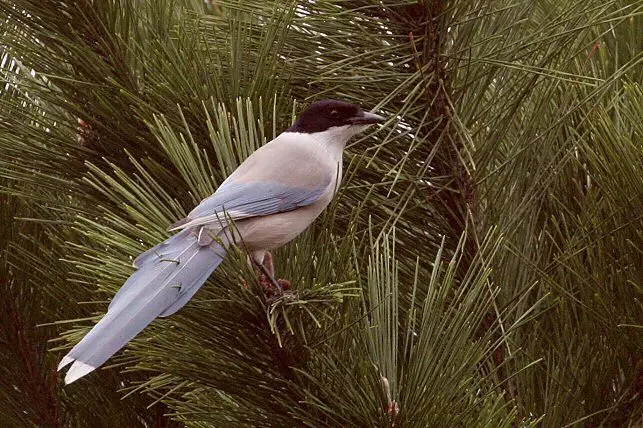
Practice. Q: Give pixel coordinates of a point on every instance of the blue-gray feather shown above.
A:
(242, 200)
(166, 280)
(156, 250)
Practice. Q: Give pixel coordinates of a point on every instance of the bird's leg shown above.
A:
(267, 269)
(271, 278)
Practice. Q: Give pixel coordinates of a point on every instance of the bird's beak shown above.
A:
(366, 118)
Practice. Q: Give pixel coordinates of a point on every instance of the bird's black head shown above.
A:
(321, 115)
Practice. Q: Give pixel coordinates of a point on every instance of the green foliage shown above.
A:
(481, 265)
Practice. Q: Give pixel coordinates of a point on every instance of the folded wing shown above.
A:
(237, 201)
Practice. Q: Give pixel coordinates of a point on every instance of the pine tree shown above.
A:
(481, 265)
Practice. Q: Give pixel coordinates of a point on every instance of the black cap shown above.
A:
(321, 115)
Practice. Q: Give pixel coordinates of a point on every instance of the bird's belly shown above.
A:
(268, 232)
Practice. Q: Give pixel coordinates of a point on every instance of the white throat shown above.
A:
(332, 140)
(336, 135)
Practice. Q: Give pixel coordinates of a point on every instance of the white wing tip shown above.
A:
(66, 360)
(78, 370)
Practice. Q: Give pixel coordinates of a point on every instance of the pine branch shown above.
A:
(504, 183)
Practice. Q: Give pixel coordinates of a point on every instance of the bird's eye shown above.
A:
(334, 114)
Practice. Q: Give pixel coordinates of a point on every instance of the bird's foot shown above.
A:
(274, 288)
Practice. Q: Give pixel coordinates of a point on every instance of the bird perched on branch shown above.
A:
(273, 196)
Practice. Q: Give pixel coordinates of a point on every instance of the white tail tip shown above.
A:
(78, 370)
(66, 360)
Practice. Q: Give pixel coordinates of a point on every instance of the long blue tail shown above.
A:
(168, 276)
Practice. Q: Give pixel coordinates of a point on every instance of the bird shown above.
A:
(272, 197)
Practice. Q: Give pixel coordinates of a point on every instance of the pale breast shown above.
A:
(273, 231)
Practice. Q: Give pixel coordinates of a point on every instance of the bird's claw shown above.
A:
(274, 288)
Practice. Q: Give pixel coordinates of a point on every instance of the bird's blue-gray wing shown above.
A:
(237, 200)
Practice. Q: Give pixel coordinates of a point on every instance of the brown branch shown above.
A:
(455, 199)
(37, 382)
